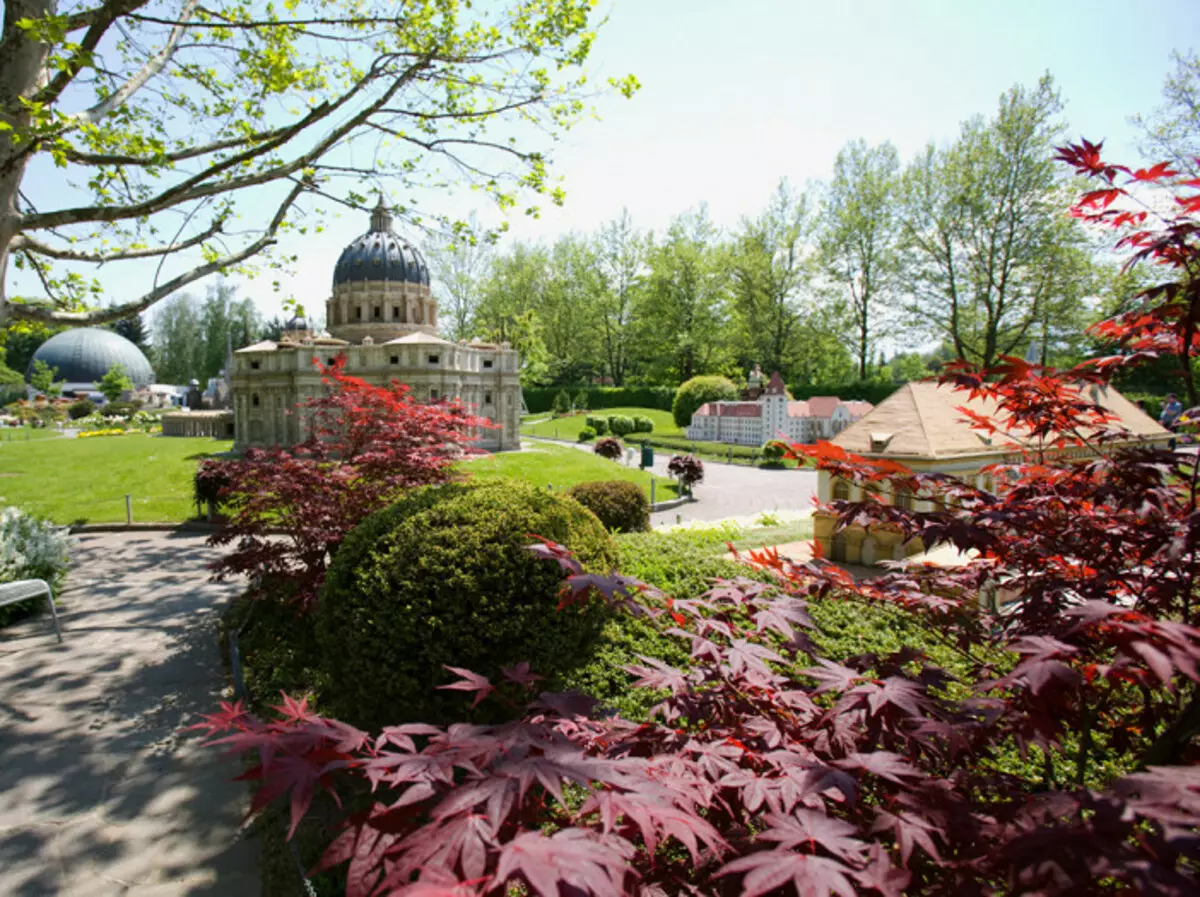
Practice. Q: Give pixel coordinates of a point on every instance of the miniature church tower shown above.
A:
(775, 409)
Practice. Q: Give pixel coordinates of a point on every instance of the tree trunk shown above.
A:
(21, 62)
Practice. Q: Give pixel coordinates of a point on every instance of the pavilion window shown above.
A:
(487, 398)
(395, 312)
(255, 365)
(903, 499)
(487, 363)
(378, 313)
(358, 314)
(254, 399)
(841, 490)
(433, 359)
(395, 359)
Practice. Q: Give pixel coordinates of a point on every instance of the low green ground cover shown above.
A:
(26, 434)
(568, 427)
(561, 467)
(86, 480)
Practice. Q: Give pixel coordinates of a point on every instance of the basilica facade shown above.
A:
(382, 317)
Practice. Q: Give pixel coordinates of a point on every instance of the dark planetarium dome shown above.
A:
(380, 255)
(82, 356)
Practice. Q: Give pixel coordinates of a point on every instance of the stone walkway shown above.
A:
(100, 793)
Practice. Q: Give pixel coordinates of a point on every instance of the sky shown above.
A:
(737, 94)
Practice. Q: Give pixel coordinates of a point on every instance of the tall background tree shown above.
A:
(621, 252)
(683, 314)
(1172, 132)
(770, 268)
(192, 336)
(858, 238)
(173, 121)
(985, 248)
(459, 262)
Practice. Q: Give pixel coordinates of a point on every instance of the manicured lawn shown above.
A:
(569, 427)
(26, 434)
(562, 467)
(86, 480)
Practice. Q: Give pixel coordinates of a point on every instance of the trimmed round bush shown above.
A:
(609, 448)
(444, 578)
(621, 506)
(118, 409)
(642, 424)
(695, 392)
(597, 423)
(620, 424)
(81, 408)
(587, 434)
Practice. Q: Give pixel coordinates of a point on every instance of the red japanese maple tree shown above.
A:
(289, 509)
(768, 767)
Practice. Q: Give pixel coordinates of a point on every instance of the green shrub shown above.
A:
(119, 409)
(642, 424)
(442, 578)
(696, 392)
(581, 400)
(620, 425)
(597, 423)
(620, 505)
(80, 408)
(562, 402)
(774, 451)
(30, 548)
(587, 434)
(609, 448)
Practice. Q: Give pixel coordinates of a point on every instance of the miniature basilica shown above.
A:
(383, 318)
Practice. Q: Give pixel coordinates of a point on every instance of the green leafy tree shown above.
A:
(134, 330)
(114, 383)
(21, 339)
(459, 262)
(178, 339)
(683, 315)
(622, 254)
(986, 252)
(171, 123)
(770, 268)
(1173, 130)
(42, 379)
(858, 238)
(696, 392)
(569, 309)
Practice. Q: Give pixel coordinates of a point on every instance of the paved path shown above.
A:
(733, 490)
(100, 794)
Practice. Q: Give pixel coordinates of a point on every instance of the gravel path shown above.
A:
(100, 792)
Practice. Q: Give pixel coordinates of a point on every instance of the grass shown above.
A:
(569, 427)
(86, 480)
(26, 434)
(562, 467)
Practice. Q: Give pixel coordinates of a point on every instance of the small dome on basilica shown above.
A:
(82, 356)
(298, 322)
(380, 255)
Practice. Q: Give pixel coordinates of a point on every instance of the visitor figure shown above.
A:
(1171, 410)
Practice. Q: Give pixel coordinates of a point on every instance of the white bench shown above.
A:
(12, 592)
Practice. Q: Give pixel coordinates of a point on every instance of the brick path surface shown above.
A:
(100, 792)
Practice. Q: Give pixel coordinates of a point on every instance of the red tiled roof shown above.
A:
(823, 406)
(798, 409)
(775, 385)
(858, 408)
(730, 409)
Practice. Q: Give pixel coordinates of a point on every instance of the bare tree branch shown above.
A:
(153, 66)
(29, 244)
(126, 309)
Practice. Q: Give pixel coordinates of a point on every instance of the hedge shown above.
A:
(540, 400)
(444, 578)
(861, 390)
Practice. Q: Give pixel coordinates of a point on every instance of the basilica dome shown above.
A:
(380, 255)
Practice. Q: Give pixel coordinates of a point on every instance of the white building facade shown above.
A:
(383, 318)
(774, 416)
